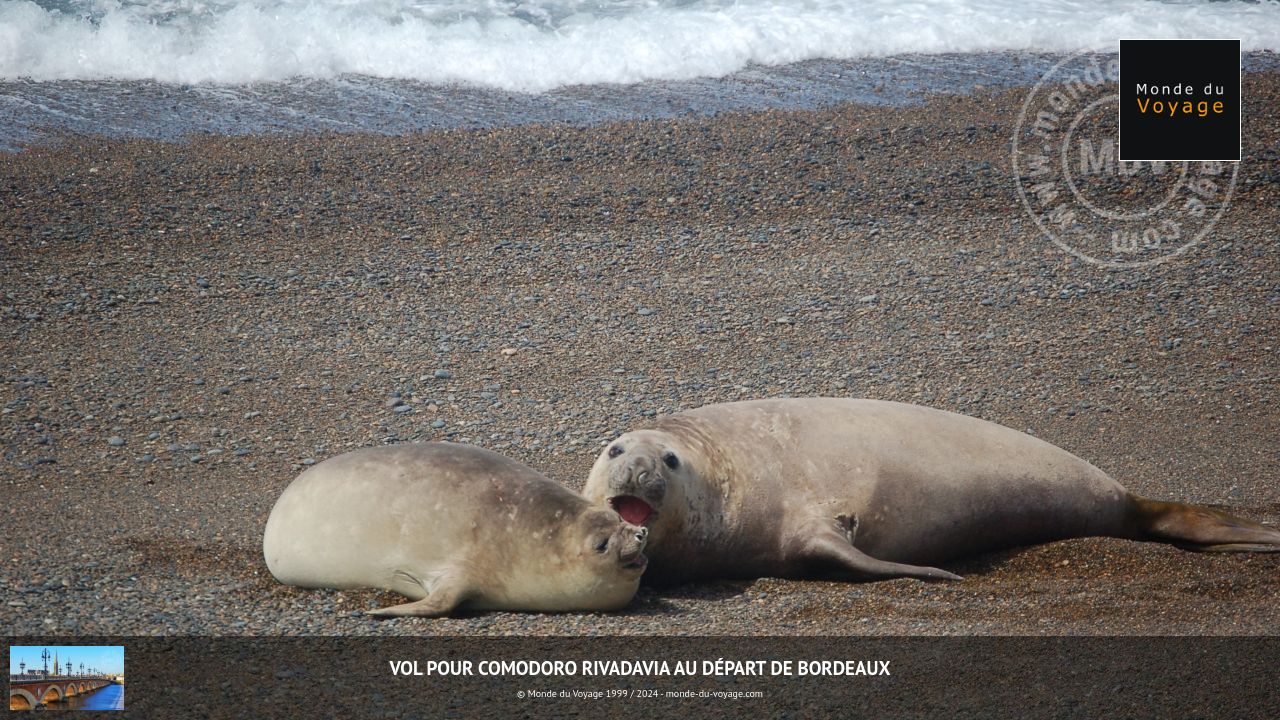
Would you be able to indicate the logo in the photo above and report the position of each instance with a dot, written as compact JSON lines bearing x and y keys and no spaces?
{"x":1091,"y":204}
{"x":1180,"y":100}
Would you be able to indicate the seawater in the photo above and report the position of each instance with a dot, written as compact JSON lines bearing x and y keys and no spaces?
{"x":538,"y":45}
{"x":170,"y":68}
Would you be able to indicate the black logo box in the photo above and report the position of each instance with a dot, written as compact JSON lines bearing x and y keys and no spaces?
{"x":1157,"y":80}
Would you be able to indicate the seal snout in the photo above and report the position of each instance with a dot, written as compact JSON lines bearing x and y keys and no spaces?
{"x":640,"y":478}
{"x":631,"y":550}
{"x":638,"y":469}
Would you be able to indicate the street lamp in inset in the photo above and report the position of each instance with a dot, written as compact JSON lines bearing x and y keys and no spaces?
{"x":68,"y":667}
{"x":22,"y":668}
{"x":45,"y":656}
{"x":81,"y":668}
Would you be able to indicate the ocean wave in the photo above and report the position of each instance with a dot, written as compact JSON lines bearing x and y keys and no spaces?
{"x":543,"y":44}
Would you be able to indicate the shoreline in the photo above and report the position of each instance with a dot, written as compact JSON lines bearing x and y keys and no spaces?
{"x":231,"y":307}
{"x":44,"y":114}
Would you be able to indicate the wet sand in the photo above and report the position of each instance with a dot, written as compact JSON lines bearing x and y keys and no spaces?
{"x":187,"y":325}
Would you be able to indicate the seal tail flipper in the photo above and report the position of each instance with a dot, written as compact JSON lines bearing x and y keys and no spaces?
{"x":834,"y":549}
{"x":1200,"y":529}
{"x":426,"y":607}
{"x":444,"y":597}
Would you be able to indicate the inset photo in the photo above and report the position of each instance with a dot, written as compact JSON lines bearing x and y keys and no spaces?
{"x":66,"y":677}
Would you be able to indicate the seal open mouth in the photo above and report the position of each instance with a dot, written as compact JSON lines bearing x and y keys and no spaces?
{"x":632,"y":509}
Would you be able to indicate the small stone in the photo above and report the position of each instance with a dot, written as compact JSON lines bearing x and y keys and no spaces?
{"x":509,"y":351}
{"x":251,"y":414}
{"x":115,"y":441}
{"x":645,"y":311}
{"x":222,"y":390}
{"x":442,"y":375}
{"x":202,"y":282}
{"x":308,"y":461}
{"x":868,"y":298}
{"x":402,"y":409}
{"x":437,"y":424}
{"x":240,"y":452}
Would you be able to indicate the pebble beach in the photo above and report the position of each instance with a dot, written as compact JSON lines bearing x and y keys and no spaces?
{"x":188,"y":325}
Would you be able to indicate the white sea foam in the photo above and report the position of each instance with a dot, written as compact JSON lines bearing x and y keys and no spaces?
{"x":542,"y":44}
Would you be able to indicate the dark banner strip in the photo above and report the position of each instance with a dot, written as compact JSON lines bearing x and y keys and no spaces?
{"x":618,"y":677}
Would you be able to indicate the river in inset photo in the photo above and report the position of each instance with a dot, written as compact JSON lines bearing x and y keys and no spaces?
{"x":110,"y":697}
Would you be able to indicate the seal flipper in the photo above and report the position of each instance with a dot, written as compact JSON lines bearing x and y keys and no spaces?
{"x":443,"y":597}
{"x":831,"y":548}
{"x":1199,"y":529}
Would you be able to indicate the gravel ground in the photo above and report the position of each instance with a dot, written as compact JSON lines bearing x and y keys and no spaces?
{"x":186,"y":326}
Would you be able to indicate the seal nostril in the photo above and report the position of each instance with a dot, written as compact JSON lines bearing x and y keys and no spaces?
{"x":644,"y":475}
{"x":643,"y":534}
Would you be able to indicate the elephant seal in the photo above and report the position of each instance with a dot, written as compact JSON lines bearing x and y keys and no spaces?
{"x":869,"y":489}
{"x":448,"y":526}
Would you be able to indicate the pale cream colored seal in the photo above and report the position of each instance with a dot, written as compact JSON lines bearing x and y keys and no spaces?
{"x":868,"y":489}
{"x":451,"y":526}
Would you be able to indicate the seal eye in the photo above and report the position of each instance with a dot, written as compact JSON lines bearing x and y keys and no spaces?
{"x":602,"y":545}
{"x":671,"y":461}
{"x":615,"y":451}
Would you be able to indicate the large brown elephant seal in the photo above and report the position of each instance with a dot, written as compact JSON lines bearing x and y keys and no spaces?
{"x":451,"y":525}
{"x":869,"y":489}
